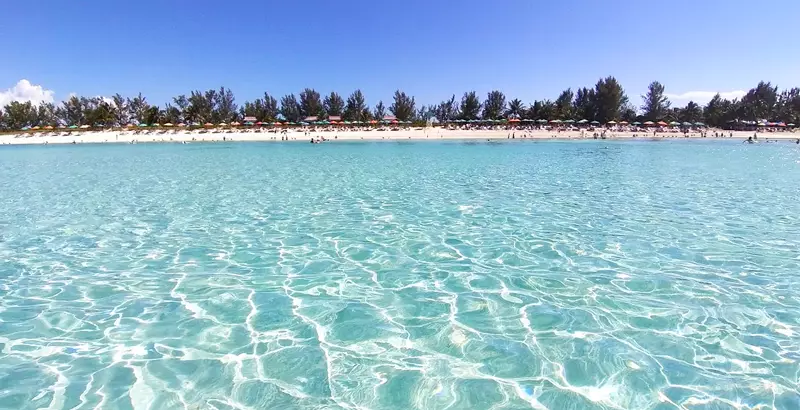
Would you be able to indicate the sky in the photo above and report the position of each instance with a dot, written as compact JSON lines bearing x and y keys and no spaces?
{"x":430,"y":49}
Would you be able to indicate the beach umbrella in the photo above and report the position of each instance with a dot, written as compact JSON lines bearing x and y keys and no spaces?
{"x":155,"y":124}
{"x":623,"y":123}
{"x":131,"y":125}
{"x":649,"y":123}
{"x":791,"y":124}
{"x":35,"y":127}
{"x":674,"y":123}
{"x":612,"y":122}
{"x":181,"y":125}
{"x":781,"y":124}
{"x":583,"y":121}
{"x":48,"y":127}
{"x":83,"y":127}
{"x":595,"y":123}
{"x":569,"y":121}
{"x":699,"y":124}
{"x":235,"y":124}
{"x":142,"y":125}
{"x":687,"y":124}
{"x":222,"y":124}
{"x":25,"y":128}
{"x":290,"y":123}
{"x":513,"y":120}
{"x":73,"y":127}
{"x":636,"y":123}
{"x":208,"y":124}
{"x":541,"y":121}
{"x":394,"y":121}
{"x":248,"y":123}
{"x":169,"y":124}
{"x":662,"y":123}
{"x":555,"y":121}
{"x":276,"y":123}
{"x":346,"y":122}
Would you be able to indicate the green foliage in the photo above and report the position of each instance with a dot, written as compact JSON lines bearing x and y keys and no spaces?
{"x":515,"y":108}
{"x":495,"y":105}
{"x":290,"y":108}
{"x":563,"y":109}
{"x":470,"y":106}
{"x":583,"y":105}
{"x":446,"y":110}
{"x":380,"y":111}
{"x":264,"y":109}
{"x":311,"y":104}
{"x":403,"y":106}
{"x":356,"y":107}
{"x":333,"y":104}
{"x":656,"y":104}
{"x":609,"y":100}
{"x":604,"y":102}
{"x":18,"y":114}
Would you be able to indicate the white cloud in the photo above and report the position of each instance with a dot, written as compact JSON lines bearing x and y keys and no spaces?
{"x":702,"y":97}
{"x":25,"y":91}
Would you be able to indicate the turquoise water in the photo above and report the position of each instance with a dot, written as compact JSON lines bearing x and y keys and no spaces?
{"x":558,"y":275}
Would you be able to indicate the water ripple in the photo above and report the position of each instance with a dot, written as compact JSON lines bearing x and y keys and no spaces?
{"x":585,"y":275}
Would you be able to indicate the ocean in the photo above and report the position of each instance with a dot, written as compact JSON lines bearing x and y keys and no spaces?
{"x":400,"y":275}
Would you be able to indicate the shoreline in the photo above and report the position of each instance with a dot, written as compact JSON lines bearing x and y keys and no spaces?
{"x":305,"y":136}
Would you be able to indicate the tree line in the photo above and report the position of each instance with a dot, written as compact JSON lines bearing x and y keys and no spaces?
{"x":605,"y":101}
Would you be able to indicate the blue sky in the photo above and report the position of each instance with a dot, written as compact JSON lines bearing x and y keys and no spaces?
{"x":430,"y":49}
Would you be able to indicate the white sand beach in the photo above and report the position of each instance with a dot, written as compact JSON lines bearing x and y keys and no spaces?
{"x":177,"y":135}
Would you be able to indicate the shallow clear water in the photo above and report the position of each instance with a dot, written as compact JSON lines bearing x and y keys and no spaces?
{"x":559,"y":275}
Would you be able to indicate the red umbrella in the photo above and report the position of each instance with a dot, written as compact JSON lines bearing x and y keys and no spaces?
{"x":514,"y":120}
{"x":394,"y":121}
{"x":373,"y":122}
{"x":277,"y":123}
{"x":662,"y":123}
{"x":334,"y":122}
{"x":258,"y":123}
